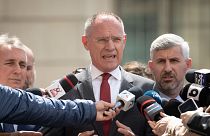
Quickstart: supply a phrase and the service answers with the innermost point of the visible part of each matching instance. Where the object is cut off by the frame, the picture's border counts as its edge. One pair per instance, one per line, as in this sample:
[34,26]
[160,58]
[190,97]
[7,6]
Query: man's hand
[187,115]
[159,127]
[123,129]
[104,111]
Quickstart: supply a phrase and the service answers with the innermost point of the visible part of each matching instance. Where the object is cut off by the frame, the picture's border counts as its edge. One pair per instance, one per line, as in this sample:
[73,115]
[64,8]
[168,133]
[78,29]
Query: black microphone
[164,101]
[190,75]
[199,93]
[60,87]
[36,91]
[149,108]
[126,99]
[171,107]
[201,77]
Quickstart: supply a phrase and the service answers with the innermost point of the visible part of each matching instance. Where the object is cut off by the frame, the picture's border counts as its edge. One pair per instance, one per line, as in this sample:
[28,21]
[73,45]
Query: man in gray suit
[104,37]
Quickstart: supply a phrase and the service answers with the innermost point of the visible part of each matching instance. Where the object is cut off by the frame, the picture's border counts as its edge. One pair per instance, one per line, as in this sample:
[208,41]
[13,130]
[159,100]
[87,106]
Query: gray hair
[166,41]
[13,41]
[92,19]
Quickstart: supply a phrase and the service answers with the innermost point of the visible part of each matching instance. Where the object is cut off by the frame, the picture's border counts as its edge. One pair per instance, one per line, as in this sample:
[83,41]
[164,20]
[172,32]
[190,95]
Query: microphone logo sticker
[199,78]
[194,91]
[125,95]
[127,98]
[55,91]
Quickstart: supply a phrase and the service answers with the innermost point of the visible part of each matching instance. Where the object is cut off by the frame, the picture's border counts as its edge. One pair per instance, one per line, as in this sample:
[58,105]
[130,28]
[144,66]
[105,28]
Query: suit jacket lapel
[85,86]
[127,81]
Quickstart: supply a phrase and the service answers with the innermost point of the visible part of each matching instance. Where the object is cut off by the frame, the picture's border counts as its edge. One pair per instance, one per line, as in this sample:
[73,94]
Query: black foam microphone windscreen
[199,93]
[149,108]
[201,76]
[171,107]
[36,91]
[68,82]
[60,87]
[190,75]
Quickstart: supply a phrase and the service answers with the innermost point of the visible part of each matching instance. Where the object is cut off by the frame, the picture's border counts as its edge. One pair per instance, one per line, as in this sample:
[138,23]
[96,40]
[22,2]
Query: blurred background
[53,29]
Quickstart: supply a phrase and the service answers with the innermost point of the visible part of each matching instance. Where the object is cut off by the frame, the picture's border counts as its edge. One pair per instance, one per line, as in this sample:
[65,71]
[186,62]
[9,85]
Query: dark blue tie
[8,127]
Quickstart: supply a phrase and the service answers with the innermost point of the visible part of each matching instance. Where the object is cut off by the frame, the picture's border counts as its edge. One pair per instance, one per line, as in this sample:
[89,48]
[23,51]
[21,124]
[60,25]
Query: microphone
[154,95]
[126,99]
[164,101]
[199,93]
[171,107]
[201,77]
[58,90]
[60,87]
[190,75]
[36,91]
[149,108]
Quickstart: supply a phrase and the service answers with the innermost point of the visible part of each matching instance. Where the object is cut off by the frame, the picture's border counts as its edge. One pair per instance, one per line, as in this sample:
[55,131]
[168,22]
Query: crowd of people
[90,111]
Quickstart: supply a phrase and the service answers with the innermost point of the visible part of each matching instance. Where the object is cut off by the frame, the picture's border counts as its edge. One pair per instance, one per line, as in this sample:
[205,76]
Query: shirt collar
[116,73]
[162,95]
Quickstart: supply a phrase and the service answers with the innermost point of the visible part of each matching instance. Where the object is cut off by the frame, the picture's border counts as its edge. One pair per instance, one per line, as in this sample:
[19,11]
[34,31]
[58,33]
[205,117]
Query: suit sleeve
[20,107]
[200,123]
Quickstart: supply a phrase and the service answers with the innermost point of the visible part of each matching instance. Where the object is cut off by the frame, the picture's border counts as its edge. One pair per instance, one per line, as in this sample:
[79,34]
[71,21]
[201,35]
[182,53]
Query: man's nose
[168,67]
[18,69]
[110,44]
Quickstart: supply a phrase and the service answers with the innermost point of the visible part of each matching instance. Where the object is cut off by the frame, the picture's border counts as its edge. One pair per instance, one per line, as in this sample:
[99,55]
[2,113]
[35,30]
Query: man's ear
[150,65]
[84,41]
[189,63]
[125,38]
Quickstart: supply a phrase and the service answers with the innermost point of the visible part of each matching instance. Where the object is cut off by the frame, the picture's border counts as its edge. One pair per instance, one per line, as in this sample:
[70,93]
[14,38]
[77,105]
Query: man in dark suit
[105,39]
[132,118]
[169,62]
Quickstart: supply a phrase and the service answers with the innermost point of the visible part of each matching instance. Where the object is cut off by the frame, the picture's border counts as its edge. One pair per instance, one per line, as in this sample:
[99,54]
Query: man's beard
[169,87]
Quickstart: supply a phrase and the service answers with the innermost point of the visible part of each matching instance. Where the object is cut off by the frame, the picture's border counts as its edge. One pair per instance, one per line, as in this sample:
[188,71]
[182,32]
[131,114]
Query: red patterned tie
[105,96]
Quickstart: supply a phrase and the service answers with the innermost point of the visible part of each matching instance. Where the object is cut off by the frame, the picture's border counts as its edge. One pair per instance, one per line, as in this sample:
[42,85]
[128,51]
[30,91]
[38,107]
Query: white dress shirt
[114,82]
